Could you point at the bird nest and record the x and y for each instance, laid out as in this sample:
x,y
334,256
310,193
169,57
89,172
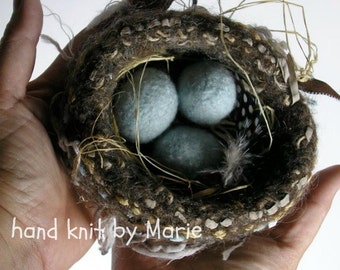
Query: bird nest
x,y
269,139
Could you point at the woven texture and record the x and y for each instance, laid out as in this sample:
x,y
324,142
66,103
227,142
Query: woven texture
x,y
271,130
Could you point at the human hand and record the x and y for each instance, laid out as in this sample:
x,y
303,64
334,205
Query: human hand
x,y
34,186
279,248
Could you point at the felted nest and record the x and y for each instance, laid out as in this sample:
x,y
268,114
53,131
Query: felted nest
x,y
271,132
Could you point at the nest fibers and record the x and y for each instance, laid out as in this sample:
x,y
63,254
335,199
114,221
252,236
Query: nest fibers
x,y
269,139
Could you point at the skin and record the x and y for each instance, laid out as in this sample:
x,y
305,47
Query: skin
x,y
34,185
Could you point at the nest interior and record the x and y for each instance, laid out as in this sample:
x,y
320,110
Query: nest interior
x,y
116,177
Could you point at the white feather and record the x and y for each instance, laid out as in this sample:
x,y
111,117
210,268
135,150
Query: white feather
x,y
236,158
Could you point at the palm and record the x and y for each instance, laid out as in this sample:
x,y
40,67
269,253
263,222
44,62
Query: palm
x,y
34,186
258,253
28,163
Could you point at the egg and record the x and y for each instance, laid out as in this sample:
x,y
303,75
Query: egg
x,y
189,150
207,92
146,105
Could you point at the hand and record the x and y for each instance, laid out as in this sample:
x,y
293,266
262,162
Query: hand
x,y
280,248
34,186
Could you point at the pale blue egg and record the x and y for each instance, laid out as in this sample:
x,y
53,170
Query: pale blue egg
x,y
145,105
189,150
207,92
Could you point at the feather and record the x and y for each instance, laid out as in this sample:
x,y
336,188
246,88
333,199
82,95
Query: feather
x,y
236,157
315,86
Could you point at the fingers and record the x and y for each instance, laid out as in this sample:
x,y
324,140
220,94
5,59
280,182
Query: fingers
x,y
300,229
18,50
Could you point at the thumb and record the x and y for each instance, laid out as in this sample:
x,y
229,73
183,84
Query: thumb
x,y
299,230
18,50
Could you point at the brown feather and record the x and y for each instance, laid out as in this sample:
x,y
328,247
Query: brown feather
x,y
315,86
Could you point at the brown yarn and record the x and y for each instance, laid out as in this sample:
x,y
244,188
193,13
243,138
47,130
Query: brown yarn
x,y
151,4
117,178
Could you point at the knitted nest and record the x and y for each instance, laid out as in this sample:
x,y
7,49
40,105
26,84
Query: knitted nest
x,y
269,139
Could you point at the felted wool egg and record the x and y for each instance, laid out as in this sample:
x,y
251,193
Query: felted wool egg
x,y
207,92
188,150
147,104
